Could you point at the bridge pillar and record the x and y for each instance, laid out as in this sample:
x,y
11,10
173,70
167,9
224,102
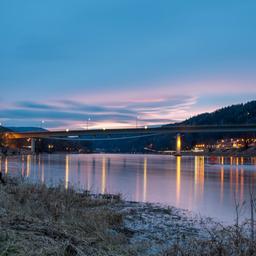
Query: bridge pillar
x,y
178,145
33,145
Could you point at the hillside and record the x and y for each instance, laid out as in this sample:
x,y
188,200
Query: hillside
x,y
4,129
235,114
27,129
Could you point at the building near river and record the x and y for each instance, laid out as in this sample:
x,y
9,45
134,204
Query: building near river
x,y
235,143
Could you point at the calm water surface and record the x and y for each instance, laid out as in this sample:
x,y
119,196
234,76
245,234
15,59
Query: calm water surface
x,y
200,184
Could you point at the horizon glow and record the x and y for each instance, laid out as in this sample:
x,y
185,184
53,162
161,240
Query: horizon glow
x,y
112,61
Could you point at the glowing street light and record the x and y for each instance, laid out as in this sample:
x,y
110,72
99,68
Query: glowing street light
x,y
178,145
42,123
89,119
67,130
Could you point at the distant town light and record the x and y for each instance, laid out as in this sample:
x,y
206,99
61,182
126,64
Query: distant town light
x,y
89,119
145,127
67,130
104,129
50,146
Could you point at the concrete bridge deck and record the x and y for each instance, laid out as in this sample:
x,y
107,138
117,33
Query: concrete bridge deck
x,y
145,130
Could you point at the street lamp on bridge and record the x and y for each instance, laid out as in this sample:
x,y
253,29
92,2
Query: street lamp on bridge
x,y
89,119
42,123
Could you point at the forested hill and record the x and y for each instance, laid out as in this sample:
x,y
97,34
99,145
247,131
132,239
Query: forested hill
x,y
21,129
235,114
4,129
27,129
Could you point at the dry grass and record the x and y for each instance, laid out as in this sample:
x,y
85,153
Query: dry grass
x,y
219,240
36,220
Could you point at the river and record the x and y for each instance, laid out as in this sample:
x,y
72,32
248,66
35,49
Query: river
x,y
204,185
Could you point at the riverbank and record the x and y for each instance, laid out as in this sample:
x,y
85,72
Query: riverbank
x,y
250,152
36,220
234,152
14,152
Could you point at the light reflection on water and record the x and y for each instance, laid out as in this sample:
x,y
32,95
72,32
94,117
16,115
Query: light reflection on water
x,y
205,185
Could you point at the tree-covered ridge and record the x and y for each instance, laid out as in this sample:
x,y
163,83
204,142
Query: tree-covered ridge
x,y
4,129
235,114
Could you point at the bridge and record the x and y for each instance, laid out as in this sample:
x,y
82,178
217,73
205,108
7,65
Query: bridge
x,y
176,129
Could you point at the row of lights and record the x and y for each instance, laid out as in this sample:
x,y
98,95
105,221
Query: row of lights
x,y
89,119
87,124
104,129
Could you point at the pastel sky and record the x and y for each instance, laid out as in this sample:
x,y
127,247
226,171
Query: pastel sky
x,y
162,61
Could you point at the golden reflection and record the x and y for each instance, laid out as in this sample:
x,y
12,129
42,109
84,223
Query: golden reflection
x,y
237,180
67,172
196,171
237,161
222,160
178,174
242,185
88,177
145,168
28,165
221,183
231,181
78,171
42,176
178,144
199,175
6,166
231,160
242,160
39,165
137,185
103,176
22,166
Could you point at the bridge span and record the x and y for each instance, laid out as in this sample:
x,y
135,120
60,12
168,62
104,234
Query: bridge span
x,y
176,129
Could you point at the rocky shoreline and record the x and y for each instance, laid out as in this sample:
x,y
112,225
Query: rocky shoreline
x,y
154,228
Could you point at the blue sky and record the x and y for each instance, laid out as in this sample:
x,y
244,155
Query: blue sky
x,y
111,61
